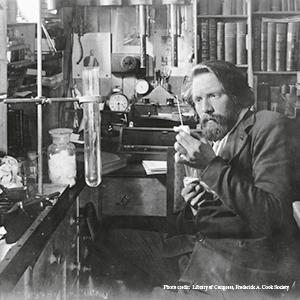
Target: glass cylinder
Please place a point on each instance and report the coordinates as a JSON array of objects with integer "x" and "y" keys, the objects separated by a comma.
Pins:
[
  {"x": 61, "y": 157},
  {"x": 92, "y": 126}
]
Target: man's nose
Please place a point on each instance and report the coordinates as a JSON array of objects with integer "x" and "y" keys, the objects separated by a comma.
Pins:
[{"x": 206, "y": 106}]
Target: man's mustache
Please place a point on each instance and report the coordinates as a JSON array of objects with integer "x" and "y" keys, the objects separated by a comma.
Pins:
[{"x": 211, "y": 117}]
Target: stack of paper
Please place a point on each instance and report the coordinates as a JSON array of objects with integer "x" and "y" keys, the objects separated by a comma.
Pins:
[{"x": 155, "y": 167}]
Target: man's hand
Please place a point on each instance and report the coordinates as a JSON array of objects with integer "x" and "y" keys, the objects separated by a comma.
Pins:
[
  {"x": 192, "y": 194},
  {"x": 194, "y": 152}
]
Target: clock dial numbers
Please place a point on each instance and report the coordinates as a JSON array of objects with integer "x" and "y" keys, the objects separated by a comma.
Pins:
[{"x": 118, "y": 102}]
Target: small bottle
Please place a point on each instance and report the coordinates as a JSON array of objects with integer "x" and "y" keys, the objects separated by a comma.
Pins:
[
  {"x": 32, "y": 166},
  {"x": 61, "y": 157}
]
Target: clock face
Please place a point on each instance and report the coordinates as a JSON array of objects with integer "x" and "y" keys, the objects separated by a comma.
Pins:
[
  {"x": 118, "y": 102},
  {"x": 142, "y": 87}
]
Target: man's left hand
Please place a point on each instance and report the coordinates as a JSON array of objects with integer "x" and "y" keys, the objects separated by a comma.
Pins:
[{"x": 194, "y": 152}]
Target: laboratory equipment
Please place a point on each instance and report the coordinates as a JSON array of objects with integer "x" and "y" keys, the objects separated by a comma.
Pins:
[
  {"x": 61, "y": 157},
  {"x": 92, "y": 126}
]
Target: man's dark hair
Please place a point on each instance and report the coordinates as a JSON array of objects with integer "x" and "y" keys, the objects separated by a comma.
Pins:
[{"x": 233, "y": 80}]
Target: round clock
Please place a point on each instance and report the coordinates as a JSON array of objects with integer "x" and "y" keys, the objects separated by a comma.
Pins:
[
  {"x": 118, "y": 102},
  {"x": 142, "y": 87}
]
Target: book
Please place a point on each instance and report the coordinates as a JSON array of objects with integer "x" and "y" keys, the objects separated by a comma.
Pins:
[
  {"x": 204, "y": 40},
  {"x": 230, "y": 42},
  {"x": 256, "y": 42},
  {"x": 271, "y": 32},
  {"x": 264, "y": 5},
  {"x": 275, "y": 5},
  {"x": 228, "y": 7},
  {"x": 290, "y": 5},
  {"x": 220, "y": 41},
  {"x": 203, "y": 7},
  {"x": 214, "y": 7},
  {"x": 284, "y": 5},
  {"x": 291, "y": 46},
  {"x": 280, "y": 47},
  {"x": 263, "y": 46},
  {"x": 155, "y": 166},
  {"x": 241, "y": 8},
  {"x": 241, "y": 52},
  {"x": 212, "y": 39}
]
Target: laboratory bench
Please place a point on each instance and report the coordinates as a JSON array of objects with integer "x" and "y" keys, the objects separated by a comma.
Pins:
[
  {"x": 45, "y": 260},
  {"x": 39, "y": 259}
]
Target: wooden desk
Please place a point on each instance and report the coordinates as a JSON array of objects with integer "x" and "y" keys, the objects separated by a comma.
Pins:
[{"x": 129, "y": 198}]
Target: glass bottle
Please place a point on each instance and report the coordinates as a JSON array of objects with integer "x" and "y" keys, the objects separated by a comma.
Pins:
[
  {"x": 61, "y": 157},
  {"x": 32, "y": 166},
  {"x": 92, "y": 126}
]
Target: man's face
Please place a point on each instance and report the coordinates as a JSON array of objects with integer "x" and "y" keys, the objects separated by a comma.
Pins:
[{"x": 217, "y": 111}]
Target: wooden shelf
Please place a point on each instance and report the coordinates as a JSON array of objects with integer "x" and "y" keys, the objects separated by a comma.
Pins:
[
  {"x": 276, "y": 13},
  {"x": 275, "y": 72},
  {"x": 222, "y": 17}
]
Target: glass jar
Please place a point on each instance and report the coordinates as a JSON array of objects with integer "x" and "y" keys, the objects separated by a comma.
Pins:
[{"x": 61, "y": 157}]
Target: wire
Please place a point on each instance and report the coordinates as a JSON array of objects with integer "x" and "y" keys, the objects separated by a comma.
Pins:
[{"x": 81, "y": 49}]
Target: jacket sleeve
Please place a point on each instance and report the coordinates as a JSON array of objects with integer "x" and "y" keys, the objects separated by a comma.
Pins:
[{"x": 261, "y": 196}]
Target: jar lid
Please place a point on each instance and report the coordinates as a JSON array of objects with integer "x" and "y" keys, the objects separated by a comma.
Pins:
[{"x": 61, "y": 135}]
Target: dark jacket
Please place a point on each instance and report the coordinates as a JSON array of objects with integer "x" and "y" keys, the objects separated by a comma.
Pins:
[{"x": 251, "y": 224}]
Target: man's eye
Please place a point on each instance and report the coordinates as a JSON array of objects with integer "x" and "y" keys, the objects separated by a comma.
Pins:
[
  {"x": 198, "y": 99},
  {"x": 213, "y": 96}
]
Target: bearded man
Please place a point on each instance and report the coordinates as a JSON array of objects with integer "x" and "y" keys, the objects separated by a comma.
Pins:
[{"x": 237, "y": 227}]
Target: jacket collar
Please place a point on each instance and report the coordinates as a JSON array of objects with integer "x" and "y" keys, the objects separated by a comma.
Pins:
[{"x": 238, "y": 138}]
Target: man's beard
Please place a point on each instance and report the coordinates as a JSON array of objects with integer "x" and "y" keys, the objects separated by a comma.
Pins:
[{"x": 214, "y": 127}]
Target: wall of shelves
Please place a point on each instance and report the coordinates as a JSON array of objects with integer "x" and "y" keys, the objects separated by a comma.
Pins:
[{"x": 272, "y": 55}]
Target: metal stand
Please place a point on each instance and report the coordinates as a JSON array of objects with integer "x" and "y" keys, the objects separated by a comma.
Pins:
[{"x": 39, "y": 100}]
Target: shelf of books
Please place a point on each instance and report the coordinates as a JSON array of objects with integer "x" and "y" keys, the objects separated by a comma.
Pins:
[
  {"x": 276, "y": 50},
  {"x": 260, "y": 36},
  {"x": 222, "y": 28}
]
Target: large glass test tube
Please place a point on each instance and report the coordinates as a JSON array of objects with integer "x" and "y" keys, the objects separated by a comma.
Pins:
[{"x": 92, "y": 126}]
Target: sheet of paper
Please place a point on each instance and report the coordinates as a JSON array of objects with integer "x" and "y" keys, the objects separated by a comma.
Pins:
[{"x": 100, "y": 44}]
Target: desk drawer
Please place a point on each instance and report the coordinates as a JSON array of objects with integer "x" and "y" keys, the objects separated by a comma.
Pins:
[{"x": 130, "y": 196}]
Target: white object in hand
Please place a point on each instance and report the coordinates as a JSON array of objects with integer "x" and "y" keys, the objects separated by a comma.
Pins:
[
  {"x": 189, "y": 180},
  {"x": 184, "y": 128}
]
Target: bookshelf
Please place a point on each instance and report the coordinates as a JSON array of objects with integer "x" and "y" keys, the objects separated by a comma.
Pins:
[
  {"x": 276, "y": 50},
  {"x": 223, "y": 27},
  {"x": 261, "y": 37}
]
